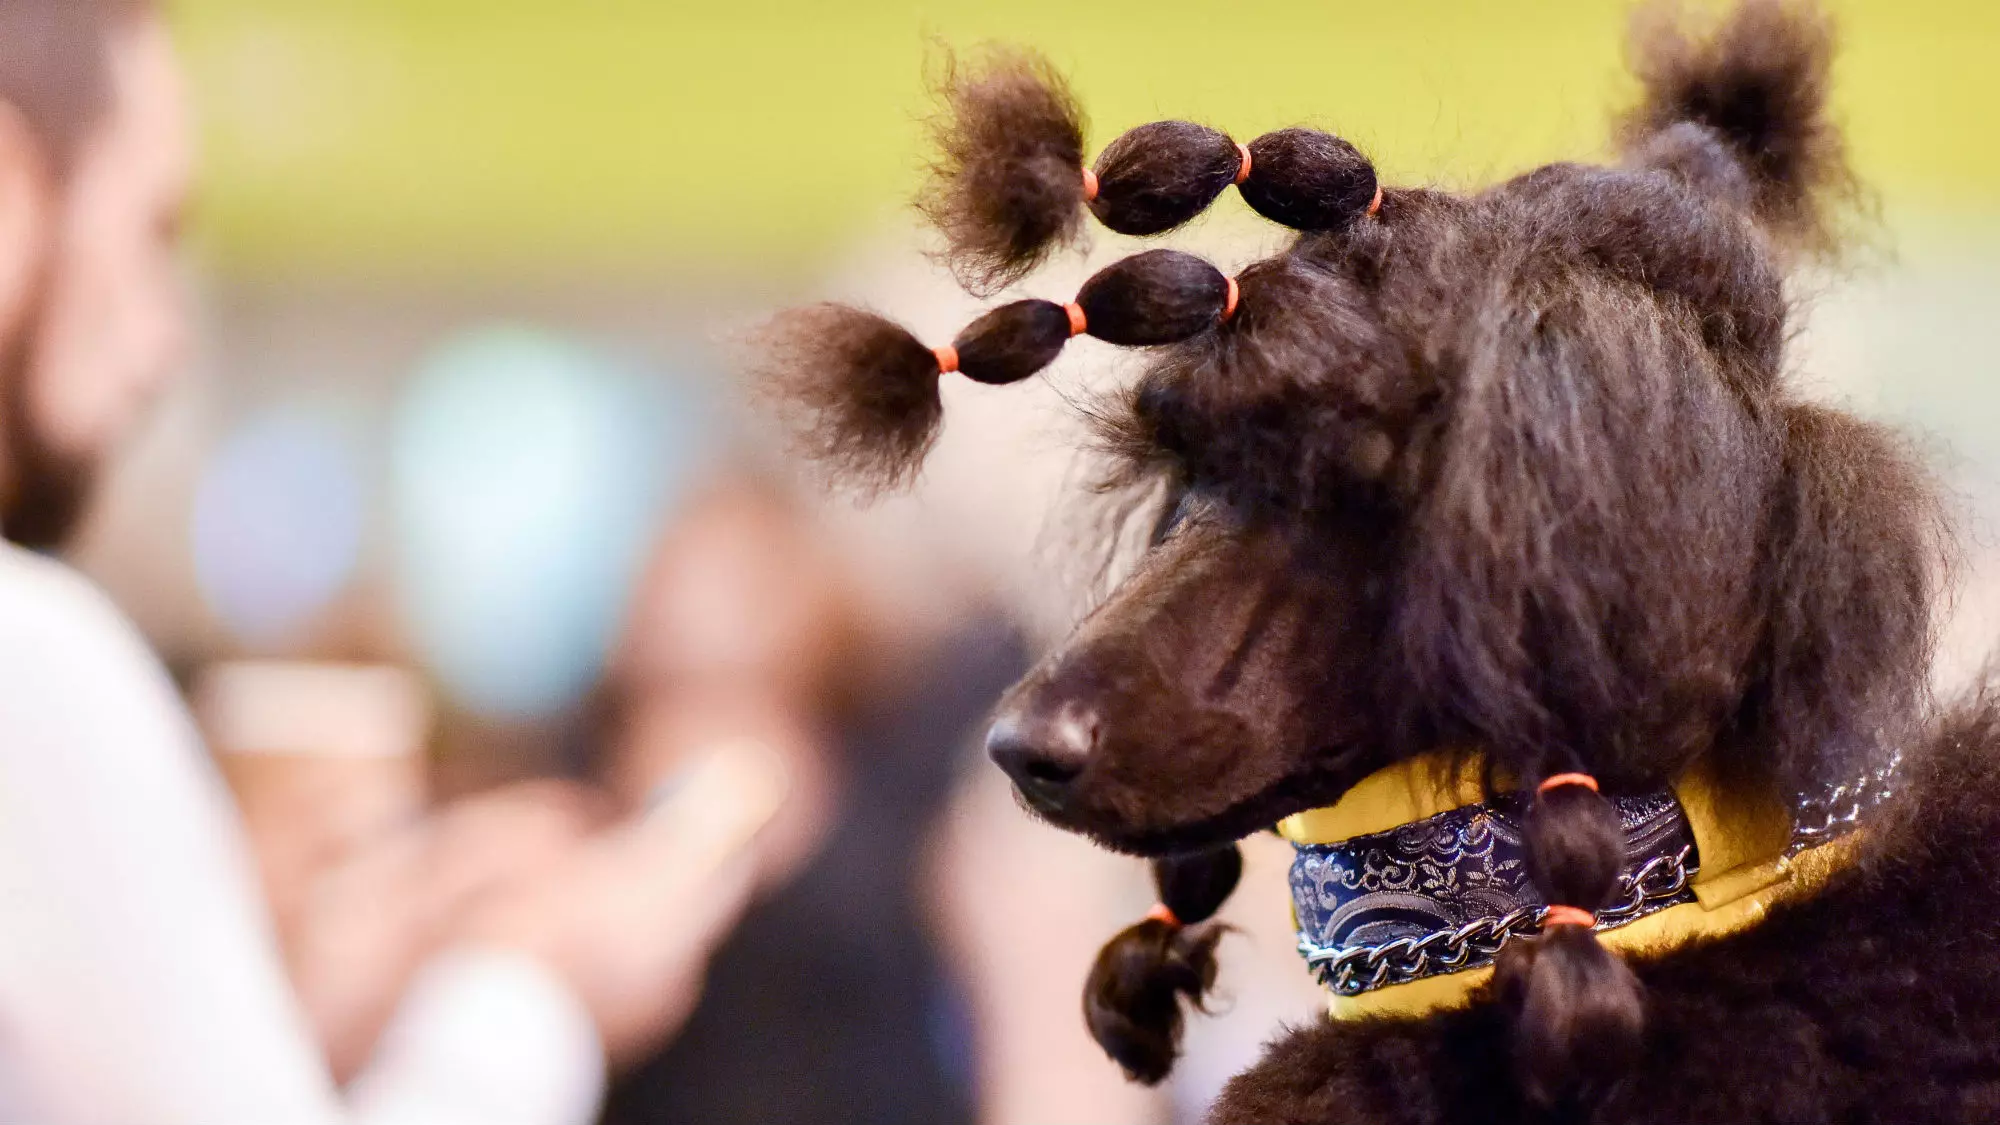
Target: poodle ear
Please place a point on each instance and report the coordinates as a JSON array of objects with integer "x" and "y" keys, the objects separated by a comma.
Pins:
[{"x": 1848, "y": 630}]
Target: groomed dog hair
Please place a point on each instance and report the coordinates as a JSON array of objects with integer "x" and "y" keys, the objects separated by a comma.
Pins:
[
  {"x": 1579, "y": 1013},
  {"x": 1011, "y": 185},
  {"x": 1242, "y": 408},
  {"x": 1496, "y": 371},
  {"x": 1005, "y": 188},
  {"x": 861, "y": 392},
  {"x": 1756, "y": 82},
  {"x": 1132, "y": 1000}
]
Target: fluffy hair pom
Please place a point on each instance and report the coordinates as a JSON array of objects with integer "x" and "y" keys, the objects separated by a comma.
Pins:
[
  {"x": 858, "y": 393},
  {"x": 1007, "y": 186}
]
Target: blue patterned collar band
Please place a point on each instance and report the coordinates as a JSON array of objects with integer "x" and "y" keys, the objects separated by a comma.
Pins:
[{"x": 1444, "y": 894}]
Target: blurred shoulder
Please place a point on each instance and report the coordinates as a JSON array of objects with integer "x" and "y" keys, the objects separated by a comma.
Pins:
[
  {"x": 53, "y": 619},
  {"x": 86, "y": 708}
]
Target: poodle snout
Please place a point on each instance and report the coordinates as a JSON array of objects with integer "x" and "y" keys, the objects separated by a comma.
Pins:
[{"x": 1043, "y": 745}]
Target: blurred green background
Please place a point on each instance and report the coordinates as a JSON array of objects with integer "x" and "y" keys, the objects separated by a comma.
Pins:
[{"x": 641, "y": 136}]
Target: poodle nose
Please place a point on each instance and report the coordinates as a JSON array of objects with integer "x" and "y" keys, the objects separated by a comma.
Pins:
[{"x": 1042, "y": 750}]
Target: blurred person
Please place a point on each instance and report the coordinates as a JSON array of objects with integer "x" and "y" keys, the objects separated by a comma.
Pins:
[
  {"x": 832, "y": 1001},
  {"x": 139, "y": 980},
  {"x": 363, "y": 879},
  {"x": 322, "y": 759},
  {"x": 887, "y": 974}
]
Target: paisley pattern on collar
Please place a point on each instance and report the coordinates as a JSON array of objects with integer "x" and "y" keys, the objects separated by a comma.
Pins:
[{"x": 1444, "y": 894}]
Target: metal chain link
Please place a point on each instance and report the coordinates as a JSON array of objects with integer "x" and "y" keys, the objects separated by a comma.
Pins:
[
  {"x": 1818, "y": 819},
  {"x": 1828, "y": 816},
  {"x": 1357, "y": 969}
]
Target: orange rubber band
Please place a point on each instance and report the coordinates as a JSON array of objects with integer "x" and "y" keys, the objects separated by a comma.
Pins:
[
  {"x": 1562, "y": 779},
  {"x": 947, "y": 358},
  {"x": 1569, "y": 916},
  {"x": 1229, "y": 304},
  {"x": 1077, "y": 325},
  {"x": 1243, "y": 172},
  {"x": 1089, "y": 185},
  {"x": 1163, "y": 913},
  {"x": 1375, "y": 204}
]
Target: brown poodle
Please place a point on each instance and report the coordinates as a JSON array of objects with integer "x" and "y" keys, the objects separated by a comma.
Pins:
[{"x": 1498, "y": 509}]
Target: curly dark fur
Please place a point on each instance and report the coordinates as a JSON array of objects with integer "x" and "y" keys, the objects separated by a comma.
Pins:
[
  {"x": 1237, "y": 408},
  {"x": 1007, "y": 187},
  {"x": 1521, "y": 472},
  {"x": 1155, "y": 177},
  {"x": 1132, "y": 1000},
  {"x": 1308, "y": 180},
  {"x": 1194, "y": 885}
]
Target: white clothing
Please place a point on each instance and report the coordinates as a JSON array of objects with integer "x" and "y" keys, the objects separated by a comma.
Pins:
[{"x": 140, "y": 983}]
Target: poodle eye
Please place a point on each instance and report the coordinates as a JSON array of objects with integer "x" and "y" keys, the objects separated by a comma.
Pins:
[{"x": 1172, "y": 514}]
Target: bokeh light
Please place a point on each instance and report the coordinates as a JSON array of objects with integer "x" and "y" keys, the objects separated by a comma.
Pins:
[
  {"x": 277, "y": 529},
  {"x": 527, "y": 476}
]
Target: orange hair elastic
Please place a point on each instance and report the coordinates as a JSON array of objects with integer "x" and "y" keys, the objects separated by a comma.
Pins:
[
  {"x": 1161, "y": 912},
  {"x": 1077, "y": 325},
  {"x": 1569, "y": 916},
  {"x": 1089, "y": 185},
  {"x": 1243, "y": 172},
  {"x": 1374, "y": 205},
  {"x": 947, "y": 358},
  {"x": 1562, "y": 779},
  {"x": 1229, "y": 304}
]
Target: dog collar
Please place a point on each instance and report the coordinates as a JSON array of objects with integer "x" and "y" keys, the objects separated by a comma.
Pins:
[{"x": 1406, "y": 890}]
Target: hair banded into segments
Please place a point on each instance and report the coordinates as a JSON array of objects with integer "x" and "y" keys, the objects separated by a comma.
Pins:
[
  {"x": 1578, "y": 1009},
  {"x": 1132, "y": 1000},
  {"x": 1309, "y": 180},
  {"x": 1010, "y": 183},
  {"x": 860, "y": 392},
  {"x": 1159, "y": 176}
]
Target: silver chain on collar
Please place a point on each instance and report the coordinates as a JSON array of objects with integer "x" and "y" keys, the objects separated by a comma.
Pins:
[
  {"x": 1357, "y": 969},
  {"x": 1822, "y": 818},
  {"x": 1350, "y": 970}
]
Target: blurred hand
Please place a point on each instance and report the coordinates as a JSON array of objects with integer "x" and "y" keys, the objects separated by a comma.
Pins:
[
  {"x": 364, "y": 926},
  {"x": 325, "y": 760},
  {"x": 630, "y": 917}
]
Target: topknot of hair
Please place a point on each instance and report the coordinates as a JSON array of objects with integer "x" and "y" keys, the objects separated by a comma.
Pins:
[{"x": 1757, "y": 79}]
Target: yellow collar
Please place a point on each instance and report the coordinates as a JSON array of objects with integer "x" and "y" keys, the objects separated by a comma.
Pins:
[{"x": 1741, "y": 838}]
